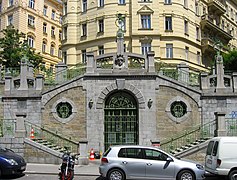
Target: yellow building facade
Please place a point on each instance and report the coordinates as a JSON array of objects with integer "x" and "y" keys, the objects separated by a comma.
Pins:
[
  {"x": 40, "y": 21},
  {"x": 178, "y": 31}
]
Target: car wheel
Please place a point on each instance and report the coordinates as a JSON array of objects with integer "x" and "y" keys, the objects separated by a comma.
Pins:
[
  {"x": 186, "y": 175},
  {"x": 116, "y": 174},
  {"x": 233, "y": 175}
]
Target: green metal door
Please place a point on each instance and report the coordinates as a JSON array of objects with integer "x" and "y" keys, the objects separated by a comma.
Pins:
[{"x": 121, "y": 120}]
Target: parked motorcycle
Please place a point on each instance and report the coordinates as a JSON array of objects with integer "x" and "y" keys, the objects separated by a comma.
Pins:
[{"x": 67, "y": 166}]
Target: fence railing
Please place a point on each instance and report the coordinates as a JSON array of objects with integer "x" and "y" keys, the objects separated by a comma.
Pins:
[
  {"x": 198, "y": 132},
  {"x": 52, "y": 137},
  {"x": 231, "y": 126}
]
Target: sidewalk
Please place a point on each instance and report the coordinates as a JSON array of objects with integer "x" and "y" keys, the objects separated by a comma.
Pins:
[{"x": 79, "y": 170}]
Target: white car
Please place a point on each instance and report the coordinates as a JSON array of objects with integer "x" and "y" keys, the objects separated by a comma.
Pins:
[{"x": 146, "y": 162}]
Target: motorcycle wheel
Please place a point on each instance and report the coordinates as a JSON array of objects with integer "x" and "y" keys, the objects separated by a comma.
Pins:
[{"x": 69, "y": 176}]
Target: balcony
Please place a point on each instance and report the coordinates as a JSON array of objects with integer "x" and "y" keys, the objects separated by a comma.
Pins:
[
  {"x": 216, "y": 6},
  {"x": 211, "y": 26}
]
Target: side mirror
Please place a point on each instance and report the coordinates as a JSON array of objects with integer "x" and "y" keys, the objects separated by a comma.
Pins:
[{"x": 169, "y": 159}]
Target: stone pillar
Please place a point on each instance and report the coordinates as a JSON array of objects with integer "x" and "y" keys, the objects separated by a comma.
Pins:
[
  {"x": 150, "y": 61},
  {"x": 90, "y": 65},
  {"x": 8, "y": 83},
  {"x": 39, "y": 84},
  {"x": 234, "y": 76},
  {"x": 30, "y": 72},
  {"x": 220, "y": 124},
  {"x": 61, "y": 72},
  {"x": 23, "y": 75},
  {"x": 20, "y": 125},
  {"x": 204, "y": 81},
  {"x": 219, "y": 72},
  {"x": 83, "y": 149},
  {"x": 183, "y": 72}
]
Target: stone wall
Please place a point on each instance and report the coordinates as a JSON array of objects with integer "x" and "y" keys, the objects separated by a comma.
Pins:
[
  {"x": 34, "y": 155},
  {"x": 76, "y": 127},
  {"x": 168, "y": 126}
]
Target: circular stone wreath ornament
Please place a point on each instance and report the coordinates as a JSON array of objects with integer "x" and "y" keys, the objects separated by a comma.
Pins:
[
  {"x": 64, "y": 110},
  {"x": 178, "y": 109}
]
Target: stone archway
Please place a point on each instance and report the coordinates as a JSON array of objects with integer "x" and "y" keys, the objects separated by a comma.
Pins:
[{"x": 120, "y": 119}]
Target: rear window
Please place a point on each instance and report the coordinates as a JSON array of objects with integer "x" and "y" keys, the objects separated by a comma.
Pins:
[
  {"x": 215, "y": 148},
  {"x": 209, "y": 147},
  {"x": 107, "y": 152},
  {"x": 130, "y": 153}
]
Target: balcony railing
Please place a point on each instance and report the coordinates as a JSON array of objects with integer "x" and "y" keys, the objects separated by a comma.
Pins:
[{"x": 216, "y": 6}]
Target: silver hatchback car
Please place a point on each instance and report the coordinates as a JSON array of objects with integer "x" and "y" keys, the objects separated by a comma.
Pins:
[{"x": 146, "y": 162}]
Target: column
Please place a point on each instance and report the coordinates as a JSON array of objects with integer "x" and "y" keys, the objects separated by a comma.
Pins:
[
  {"x": 220, "y": 124},
  {"x": 90, "y": 65}
]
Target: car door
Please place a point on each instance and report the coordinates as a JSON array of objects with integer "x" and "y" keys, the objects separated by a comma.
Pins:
[
  {"x": 132, "y": 163},
  {"x": 211, "y": 156},
  {"x": 157, "y": 165}
]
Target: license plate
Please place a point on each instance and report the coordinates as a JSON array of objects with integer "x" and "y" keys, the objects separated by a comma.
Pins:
[{"x": 23, "y": 167}]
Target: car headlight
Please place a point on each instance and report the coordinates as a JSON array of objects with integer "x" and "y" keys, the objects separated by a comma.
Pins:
[
  {"x": 12, "y": 162},
  {"x": 199, "y": 166}
]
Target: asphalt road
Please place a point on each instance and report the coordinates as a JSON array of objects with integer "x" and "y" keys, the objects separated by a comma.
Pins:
[{"x": 54, "y": 177}]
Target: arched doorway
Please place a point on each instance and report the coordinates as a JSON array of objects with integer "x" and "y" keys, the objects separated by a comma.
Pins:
[{"x": 121, "y": 119}]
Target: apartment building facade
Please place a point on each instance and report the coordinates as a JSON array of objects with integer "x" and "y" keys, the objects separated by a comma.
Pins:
[
  {"x": 178, "y": 31},
  {"x": 40, "y": 21}
]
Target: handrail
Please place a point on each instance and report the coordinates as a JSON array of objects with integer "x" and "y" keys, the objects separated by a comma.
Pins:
[
  {"x": 198, "y": 132},
  {"x": 52, "y": 137}
]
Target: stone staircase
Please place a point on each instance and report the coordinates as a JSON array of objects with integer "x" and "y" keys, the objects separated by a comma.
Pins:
[{"x": 191, "y": 148}]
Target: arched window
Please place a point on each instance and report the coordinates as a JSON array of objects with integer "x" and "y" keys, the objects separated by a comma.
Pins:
[
  {"x": 31, "y": 41},
  {"x": 44, "y": 45},
  {"x": 52, "y": 49}
]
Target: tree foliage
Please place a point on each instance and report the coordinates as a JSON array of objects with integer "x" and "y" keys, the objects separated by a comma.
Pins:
[
  {"x": 230, "y": 60},
  {"x": 13, "y": 46}
]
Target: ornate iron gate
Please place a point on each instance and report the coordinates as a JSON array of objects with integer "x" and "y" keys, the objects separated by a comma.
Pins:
[{"x": 121, "y": 120}]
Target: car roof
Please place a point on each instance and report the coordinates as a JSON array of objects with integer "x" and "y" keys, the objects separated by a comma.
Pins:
[{"x": 132, "y": 146}]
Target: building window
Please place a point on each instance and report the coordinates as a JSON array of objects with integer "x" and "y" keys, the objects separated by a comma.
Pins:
[
  {"x": 45, "y": 28},
  {"x": 84, "y": 29},
  {"x": 178, "y": 109},
  {"x": 45, "y": 10},
  {"x": 227, "y": 10},
  {"x": 65, "y": 8},
  {"x": 121, "y": 1},
  {"x": 101, "y": 3},
  {"x": 53, "y": 31},
  {"x": 32, "y": 4},
  {"x": 53, "y": 15},
  {"x": 223, "y": 25},
  {"x": 60, "y": 52},
  {"x": 52, "y": 49},
  {"x": 10, "y": 19},
  {"x": 101, "y": 25},
  {"x": 168, "y": 23},
  {"x": 196, "y": 8},
  {"x": 197, "y": 33},
  {"x": 10, "y": 2},
  {"x": 65, "y": 57},
  {"x": 146, "y": 21},
  {"x": 44, "y": 45},
  {"x": 30, "y": 41},
  {"x": 31, "y": 21},
  {"x": 0, "y": 7},
  {"x": 60, "y": 35},
  {"x": 168, "y": 2},
  {"x": 169, "y": 50},
  {"x": 84, "y": 5},
  {"x": 145, "y": 47},
  {"x": 60, "y": 19},
  {"x": 198, "y": 57},
  {"x": 186, "y": 3},
  {"x": 186, "y": 27},
  {"x": 83, "y": 56},
  {"x": 186, "y": 53},
  {"x": 65, "y": 33},
  {"x": 101, "y": 50}
]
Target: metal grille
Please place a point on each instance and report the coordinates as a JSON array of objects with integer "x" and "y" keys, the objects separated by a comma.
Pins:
[{"x": 121, "y": 124}]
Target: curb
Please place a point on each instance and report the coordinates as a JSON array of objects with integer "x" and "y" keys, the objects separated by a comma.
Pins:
[{"x": 53, "y": 173}]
